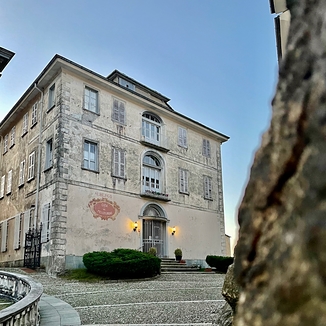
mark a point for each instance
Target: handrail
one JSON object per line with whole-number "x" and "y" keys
{"x": 27, "y": 293}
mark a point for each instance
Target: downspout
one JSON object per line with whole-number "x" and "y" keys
{"x": 38, "y": 176}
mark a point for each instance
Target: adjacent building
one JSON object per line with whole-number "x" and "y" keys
{"x": 102, "y": 163}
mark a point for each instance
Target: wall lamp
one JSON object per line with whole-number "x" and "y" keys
{"x": 173, "y": 230}
{"x": 135, "y": 226}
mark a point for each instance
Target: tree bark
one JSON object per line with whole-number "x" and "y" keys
{"x": 280, "y": 258}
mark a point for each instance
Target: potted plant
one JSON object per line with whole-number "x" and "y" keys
{"x": 152, "y": 251}
{"x": 178, "y": 254}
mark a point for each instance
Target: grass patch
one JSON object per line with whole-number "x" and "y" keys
{"x": 81, "y": 274}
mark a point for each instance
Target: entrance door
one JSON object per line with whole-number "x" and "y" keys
{"x": 154, "y": 236}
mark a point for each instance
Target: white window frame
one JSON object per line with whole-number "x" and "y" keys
{"x": 2, "y": 186}
{"x": 182, "y": 137}
{"x": 152, "y": 178}
{"x": 118, "y": 162}
{"x": 183, "y": 181}
{"x": 206, "y": 148}
{"x": 34, "y": 115}
{"x": 9, "y": 182}
{"x": 90, "y": 160}
{"x": 25, "y": 124}
{"x": 89, "y": 95}
{"x": 49, "y": 154}
{"x": 17, "y": 232}
{"x": 51, "y": 97}
{"x": 151, "y": 128}
{"x": 26, "y": 224}
{"x": 208, "y": 187}
{"x": 12, "y": 136}
{"x": 31, "y": 166}
{"x": 4, "y": 236}
{"x": 5, "y": 144}
{"x": 119, "y": 111}
{"x": 46, "y": 222}
{"x": 21, "y": 173}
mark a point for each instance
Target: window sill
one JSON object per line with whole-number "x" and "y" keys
{"x": 158, "y": 147}
{"x": 48, "y": 168}
{"x": 90, "y": 170}
{"x": 210, "y": 199}
{"x": 11, "y": 146}
{"x": 155, "y": 196}
{"x": 5, "y": 152}
{"x": 20, "y": 186}
{"x": 8, "y": 193}
{"x": 185, "y": 147}
{"x": 118, "y": 177}
{"x": 97, "y": 113}
{"x": 24, "y": 133}
{"x": 50, "y": 108}
{"x": 184, "y": 193}
{"x": 33, "y": 125}
{"x": 30, "y": 179}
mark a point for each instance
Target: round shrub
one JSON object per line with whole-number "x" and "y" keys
{"x": 122, "y": 263}
{"x": 221, "y": 263}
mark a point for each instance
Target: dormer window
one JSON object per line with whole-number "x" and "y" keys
{"x": 126, "y": 84}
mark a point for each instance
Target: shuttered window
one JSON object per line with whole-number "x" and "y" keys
{"x": 9, "y": 182}
{"x": 119, "y": 162}
{"x": 118, "y": 111}
{"x": 206, "y": 148}
{"x": 25, "y": 124}
{"x": 5, "y": 144}
{"x": 31, "y": 166}
{"x": 183, "y": 181}
{"x": 2, "y": 186}
{"x": 4, "y": 235}
{"x": 21, "y": 173}
{"x": 12, "y": 136}
{"x": 91, "y": 100}
{"x": 34, "y": 115}
{"x": 182, "y": 137}
{"x": 207, "y": 187}
{"x": 46, "y": 222}
{"x": 17, "y": 232}
{"x": 27, "y": 224}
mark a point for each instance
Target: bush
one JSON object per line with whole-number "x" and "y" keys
{"x": 122, "y": 263}
{"x": 221, "y": 263}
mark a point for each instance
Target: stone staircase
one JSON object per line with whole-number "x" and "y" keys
{"x": 171, "y": 265}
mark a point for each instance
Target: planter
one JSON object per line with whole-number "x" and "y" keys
{"x": 178, "y": 258}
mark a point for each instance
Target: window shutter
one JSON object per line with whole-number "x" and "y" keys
{"x": 186, "y": 181}
{"x": 9, "y": 182}
{"x": 122, "y": 163}
{"x": 45, "y": 233}
{"x": 115, "y": 110}
{"x": 27, "y": 215}
{"x": 180, "y": 142}
{"x": 122, "y": 113}
{"x": 21, "y": 172}
{"x": 2, "y": 188}
{"x": 17, "y": 232}
{"x": 181, "y": 180}
{"x": 208, "y": 149}
{"x": 4, "y": 229}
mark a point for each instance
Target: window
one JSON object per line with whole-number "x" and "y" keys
{"x": 5, "y": 144}
{"x": 34, "y": 115}
{"x": 151, "y": 127}
{"x": 183, "y": 181}
{"x": 49, "y": 154}
{"x": 25, "y": 124}
{"x": 21, "y": 173}
{"x": 90, "y": 100}
{"x": 119, "y": 162}
{"x": 28, "y": 216}
{"x": 152, "y": 170}
{"x": 12, "y": 136}
{"x": 9, "y": 182}
{"x": 118, "y": 111}
{"x": 207, "y": 187}
{"x": 46, "y": 223}
{"x": 182, "y": 137}
{"x": 206, "y": 148}
{"x": 126, "y": 84}
{"x": 90, "y": 156}
{"x": 4, "y": 235}
{"x": 17, "y": 232}
{"x": 31, "y": 166}
{"x": 51, "y": 97}
{"x": 2, "y": 186}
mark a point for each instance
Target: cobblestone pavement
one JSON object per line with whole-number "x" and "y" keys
{"x": 178, "y": 298}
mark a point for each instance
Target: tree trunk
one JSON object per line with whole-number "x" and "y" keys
{"x": 280, "y": 258}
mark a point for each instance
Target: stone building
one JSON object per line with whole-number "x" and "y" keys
{"x": 102, "y": 163}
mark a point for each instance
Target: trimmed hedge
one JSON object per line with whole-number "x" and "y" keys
{"x": 122, "y": 263}
{"x": 221, "y": 263}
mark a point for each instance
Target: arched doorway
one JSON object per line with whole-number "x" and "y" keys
{"x": 154, "y": 229}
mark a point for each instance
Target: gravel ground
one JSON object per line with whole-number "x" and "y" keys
{"x": 182, "y": 298}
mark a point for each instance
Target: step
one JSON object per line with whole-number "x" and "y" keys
{"x": 186, "y": 269}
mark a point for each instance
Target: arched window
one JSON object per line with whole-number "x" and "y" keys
{"x": 152, "y": 174}
{"x": 151, "y": 128}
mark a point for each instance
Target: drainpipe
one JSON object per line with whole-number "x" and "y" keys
{"x": 38, "y": 176}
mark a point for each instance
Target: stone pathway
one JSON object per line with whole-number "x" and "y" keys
{"x": 171, "y": 299}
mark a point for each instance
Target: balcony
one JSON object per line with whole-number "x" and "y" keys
{"x": 155, "y": 195}
{"x": 154, "y": 140}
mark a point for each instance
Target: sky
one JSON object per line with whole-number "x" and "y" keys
{"x": 215, "y": 59}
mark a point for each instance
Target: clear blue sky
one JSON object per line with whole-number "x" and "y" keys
{"x": 215, "y": 59}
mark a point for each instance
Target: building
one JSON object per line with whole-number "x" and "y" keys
{"x": 282, "y": 24}
{"x": 5, "y": 57}
{"x": 105, "y": 162}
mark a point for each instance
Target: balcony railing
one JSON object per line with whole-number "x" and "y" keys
{"x": 26, "y": 293}
{"x": 155, "y": 195}
{"x": 155, "y": 140}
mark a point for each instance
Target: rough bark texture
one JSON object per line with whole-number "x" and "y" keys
{"x": 280, "y": 258}
{"x": 230, "y": 289}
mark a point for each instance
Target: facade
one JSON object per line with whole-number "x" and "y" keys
{"x": 105, "y": 163}
{"x": 282, "y": 24}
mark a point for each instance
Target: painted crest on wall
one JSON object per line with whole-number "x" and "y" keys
{"x": 104, "y": 208}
